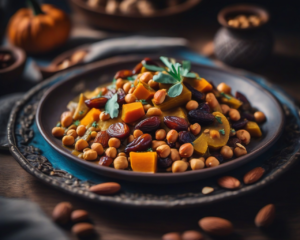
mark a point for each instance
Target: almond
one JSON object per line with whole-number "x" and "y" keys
{"x": 83, "y": 229}
{"x": 62, "y": 212}
{"x": 265, "y": 216}
{"x": 79, "y": 215}
{"x": 229, "y": 182}
{"x": 207, "y": 190}
{"x": 192, "y": 235}
{"x": 171, "y": 236}
{"x": 106, "y": 188}
{"x": 253, "y": 175}
{"x": 216, "y": 226}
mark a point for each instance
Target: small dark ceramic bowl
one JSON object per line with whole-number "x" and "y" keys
{"x": 10, "y": 74}
{"x": 244, "y": 9}
{"x": 57, "y": 97}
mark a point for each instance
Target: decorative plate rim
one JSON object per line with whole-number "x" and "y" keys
{"x": 110, "y": 199}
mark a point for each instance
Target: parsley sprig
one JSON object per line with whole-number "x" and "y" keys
{"x": 175, "y": 74}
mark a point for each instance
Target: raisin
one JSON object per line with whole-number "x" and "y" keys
{"x": 196, "y": 95}
{"x": 218, "y": 156}
{"x": 148, "y": 125}
{"x": 105, "y": 161}
{"x": 177, "y": 123}
{"x": 233, "y": 141}
{"x": 171, "y": 145}
{"x": 186, "y": 137}
{"x": 204, "y": 107}
{"x": 142, "y": 143}
{"x": 239, "y": 124}
{"x": 198, "y": 116}
{"x": 164, "y": 162}
{"x": 246, "y": 104}
{"x": 248, "y": 116}
{"x": 121, "y": 96}
{"x": 119, "y": 130}
{"x": 102, "y": 137}
{"x": 96, "y": 102}
{"x": 124, "y": 74}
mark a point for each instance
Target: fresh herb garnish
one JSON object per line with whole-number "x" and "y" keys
{"x": 225, "y": 95}
{"x": 143, "y": 101}
{"x": 81, "y": 112}
{"x": 219, "y": 119}
{"x": 131, "y": 78}
{"x": 176, "y": 73}
{"x": 149, "y": 150}
{"x": 222, "y": 131}
{"x": 76, "y": 123}
{"x": 112, "y": 106}
{"x": 95, "y": 124}
{"x": 58, "y": 124}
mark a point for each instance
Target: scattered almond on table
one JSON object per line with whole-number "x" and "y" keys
{"x": 254, "y": 175}
{"x": 265, "y": 216}
{"x": 106, "y": 188}
{"x": 229, "y": 182}
{"x": 216, "y": 226}
{"x": 62, "y": 213}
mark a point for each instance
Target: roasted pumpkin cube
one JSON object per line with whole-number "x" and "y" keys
{"x": 199, "y": 84}
{"x": 132, "y": 112}
{"x": 143, "y": 91}
{"x": 253, "y": 129}
{"x": 174, "y": 102}
{"x": 81, "y": 109}
{"x": 231, "y": 101}
{"x": 90, "y": 117}
{"x": 143, "y": 161}
{"x": 205, "y": 140}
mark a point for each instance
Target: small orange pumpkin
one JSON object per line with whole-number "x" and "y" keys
{"x": 39, "y": 29}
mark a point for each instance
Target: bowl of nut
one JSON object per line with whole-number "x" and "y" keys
{"x": 131, "y": 15}
{"x": 12, "y": 62}
{"x": 244, "y": 40}
{"x": 157, "y": 120}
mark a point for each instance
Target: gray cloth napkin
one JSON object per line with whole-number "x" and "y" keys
{"x": 24, "y": 220}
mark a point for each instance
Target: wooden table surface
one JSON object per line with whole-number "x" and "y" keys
{"x": 116, "y": 223}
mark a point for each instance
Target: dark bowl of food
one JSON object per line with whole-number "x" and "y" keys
{"x": 12, "y": 62}
{"x": 131, "y": 15}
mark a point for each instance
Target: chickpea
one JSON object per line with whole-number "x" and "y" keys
{"x": 66, "y": 119}
{"x": 159, "y": 96}
{"x": 191, "y": 105}
{"x": 153, "y": 111}
{"x": 122, "y": 154}
{"x": 195, "y": 128}
{"x": 160, "y": 134}
{"x": 131, "y": 90}
{"x": 214, "y": 134}
{"x": 244, "y": 136}
{"x": 147, "y": 107}
{"x": 121, "y": 162}
{"x": 72, "y": 132}
{"x": 58, "y": 131}
{"x": 238, "y": 151}
{"x": 179, "y": 166}
{"x": 81, "y": 129}
{"x": 163, "y": 151}
{"x": 80, "y": 155}
{"x": 153, "y": 84}
{"x": 223, "y": 87}
{"x": 127, "y": 87}
{"x": 156, "y": 144}
{"x": 130, "y": 98}
{"x": 212, "y": 101}
{"x": 174, "y": 154}
{"x": 225, "y": 108}
{"x": 114, "y": 142}
{"x": 137, "y": 133}
{"x": 68, "y": 140}
{"x": 93, "y": 134}
{"x": 111, "y": 152}
{"x": 86, "y": 149}
{"x": 172, "y": 136}
{"x": 92, "y": 129}
{"x": 104, "y": 116}
{"x": 98, "y": 148}
{"x": 81, "y": 144}
{"x": 234, "y": 114}
{"x": 202, "y": 159}
{"x": 130, "y": 139}
{"x": 226, "y": 152}
{"x": 119, "y": 83}
{"x": 90, "y": 155}
{"x": 259, "y": 117}
{"x": 186, "y": 150}
{"x": 196, "y": 164}
{"x": 212, "y": 162}
{"x": 145, "y": 77}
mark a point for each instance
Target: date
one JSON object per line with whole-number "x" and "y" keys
{"x": 103, "y": 138}
{"x": 142, "y": 143}
{"x": 177, "y": 123}
{"x": 149, "y": 125}
{"x": 119, "y": 130}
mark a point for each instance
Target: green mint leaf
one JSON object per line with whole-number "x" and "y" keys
{"x": 149, "y": 150}
{"x": 58, "y": 124}
{"x": 143, "y": 101}
{"x": 76, "y": 123}
{"x": 175, "y": 90}
{"x": 112, "y": 106}
{"x": 153, "y": 68}
{"x": 165, "y": 60}
{"x": 186, "y": 65}
{"x": 219, "y": 119}
{"x": 81, "y": 112}
{"x": 190, "y": 75}
{"x": 222, "y": 131}
{"x": 225, "y": 95}
{"x": 95, "y": 124}
{"x": 130, "y": 78}
{"x": 164, "y": 78}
